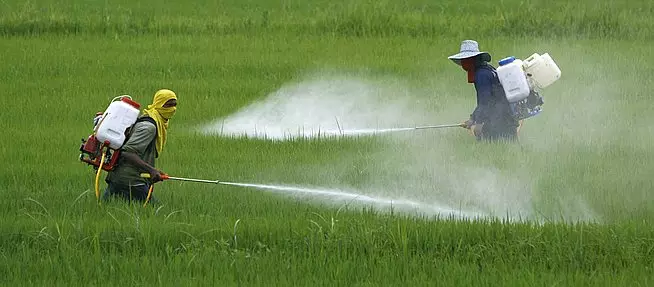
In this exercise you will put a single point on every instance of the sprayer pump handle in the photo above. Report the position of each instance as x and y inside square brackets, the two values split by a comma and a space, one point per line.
[147, 175]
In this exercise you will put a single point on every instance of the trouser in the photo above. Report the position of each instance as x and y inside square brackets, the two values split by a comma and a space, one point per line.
[128, 193]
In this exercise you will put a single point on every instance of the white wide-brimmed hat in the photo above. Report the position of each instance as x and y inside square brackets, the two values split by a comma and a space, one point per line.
[469, 48]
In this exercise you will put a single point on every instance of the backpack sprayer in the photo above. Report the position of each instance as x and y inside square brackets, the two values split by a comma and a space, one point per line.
[102, 148]
[522, 81]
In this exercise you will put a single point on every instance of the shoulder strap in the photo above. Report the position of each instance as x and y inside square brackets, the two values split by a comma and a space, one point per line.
[490, 68]
[498, 90]
[149, 119]
[146, 119]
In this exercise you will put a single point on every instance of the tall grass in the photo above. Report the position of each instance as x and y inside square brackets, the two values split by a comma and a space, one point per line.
[118, 244]
[360, 18]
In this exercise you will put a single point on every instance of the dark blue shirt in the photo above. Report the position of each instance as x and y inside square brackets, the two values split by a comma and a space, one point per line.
[484, 80]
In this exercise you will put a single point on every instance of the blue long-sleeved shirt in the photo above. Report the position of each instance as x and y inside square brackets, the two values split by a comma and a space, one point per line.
[484, 80]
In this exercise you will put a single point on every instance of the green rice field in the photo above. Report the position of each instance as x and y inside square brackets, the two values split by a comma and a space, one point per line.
[570, 204]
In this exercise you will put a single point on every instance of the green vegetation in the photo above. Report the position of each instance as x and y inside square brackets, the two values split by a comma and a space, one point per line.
[418, 18]
[588, 156]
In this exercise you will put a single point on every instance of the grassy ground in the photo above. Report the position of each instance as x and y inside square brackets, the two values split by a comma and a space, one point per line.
[587, 157]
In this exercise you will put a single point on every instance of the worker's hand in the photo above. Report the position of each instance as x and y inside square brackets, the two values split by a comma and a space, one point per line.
[155, 175]
[476, 129]
[467, 124]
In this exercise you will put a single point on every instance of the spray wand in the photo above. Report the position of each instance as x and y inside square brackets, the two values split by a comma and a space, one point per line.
[440, 126]
[167, 177]
[368, 131]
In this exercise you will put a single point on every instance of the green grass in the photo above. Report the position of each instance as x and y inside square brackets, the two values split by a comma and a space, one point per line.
[587, 156]
[417, 18]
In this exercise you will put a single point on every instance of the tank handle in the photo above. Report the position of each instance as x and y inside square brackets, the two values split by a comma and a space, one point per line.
[530, 60]
[120, 97]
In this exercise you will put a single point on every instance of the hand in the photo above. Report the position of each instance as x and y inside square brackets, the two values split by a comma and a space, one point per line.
[467, 124]
[476, 129]
[155, 175]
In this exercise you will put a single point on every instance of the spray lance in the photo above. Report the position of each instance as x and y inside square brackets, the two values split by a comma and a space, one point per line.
[440, 126]
[461, 125]
[368, 131]
[167, 177]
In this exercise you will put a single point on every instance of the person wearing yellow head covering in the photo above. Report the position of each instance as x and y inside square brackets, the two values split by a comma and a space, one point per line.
[162, 109]
[146, 140]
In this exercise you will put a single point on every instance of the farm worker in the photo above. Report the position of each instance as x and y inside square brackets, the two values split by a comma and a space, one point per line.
[147, 139]
[491, 119]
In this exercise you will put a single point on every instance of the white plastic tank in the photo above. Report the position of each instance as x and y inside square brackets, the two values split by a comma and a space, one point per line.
[541, 70]
[119, 116]
[513, 79]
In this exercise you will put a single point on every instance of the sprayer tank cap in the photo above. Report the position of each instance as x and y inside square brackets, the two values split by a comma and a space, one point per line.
[506, 61]
[131, 102]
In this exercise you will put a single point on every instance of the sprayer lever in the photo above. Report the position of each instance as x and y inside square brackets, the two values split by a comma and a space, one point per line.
[164, 177]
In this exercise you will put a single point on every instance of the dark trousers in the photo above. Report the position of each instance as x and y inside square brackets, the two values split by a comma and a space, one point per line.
[128, 193]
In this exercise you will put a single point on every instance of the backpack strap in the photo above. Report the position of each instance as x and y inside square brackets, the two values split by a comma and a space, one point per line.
[492, 69]
[500, 96]
[145, 118]
[149, 119]
[498, 90]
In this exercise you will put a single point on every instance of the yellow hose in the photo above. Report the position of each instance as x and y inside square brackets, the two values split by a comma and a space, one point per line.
[97, 178]
[149, 195]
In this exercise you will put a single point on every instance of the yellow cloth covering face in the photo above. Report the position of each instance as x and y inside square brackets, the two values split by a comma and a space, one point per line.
[161, 115]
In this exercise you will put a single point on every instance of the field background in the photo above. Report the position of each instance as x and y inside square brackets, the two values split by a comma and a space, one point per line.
[582, 171]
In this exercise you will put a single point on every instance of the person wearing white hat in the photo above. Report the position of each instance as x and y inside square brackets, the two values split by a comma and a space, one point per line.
[491, 119]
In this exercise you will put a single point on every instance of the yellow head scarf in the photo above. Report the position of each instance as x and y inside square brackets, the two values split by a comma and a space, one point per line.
[161, 115]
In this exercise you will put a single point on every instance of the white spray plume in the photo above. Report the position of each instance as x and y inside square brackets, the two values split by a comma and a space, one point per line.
[383, 204]
[421, 167]
[336, 106]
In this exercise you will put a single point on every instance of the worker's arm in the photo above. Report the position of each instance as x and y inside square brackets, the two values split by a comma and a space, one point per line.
[134, 149]
[155, 175]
